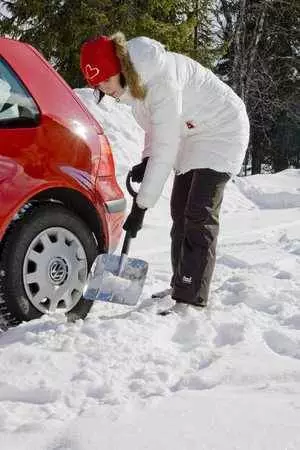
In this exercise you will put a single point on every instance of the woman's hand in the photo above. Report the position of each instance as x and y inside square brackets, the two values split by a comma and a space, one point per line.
[138, 171]
[134, 221]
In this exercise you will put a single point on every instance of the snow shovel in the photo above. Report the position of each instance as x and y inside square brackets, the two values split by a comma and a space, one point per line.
[114, 278]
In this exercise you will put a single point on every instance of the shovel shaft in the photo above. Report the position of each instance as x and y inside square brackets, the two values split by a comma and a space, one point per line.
[127, 239]
[126, 243]
[123, 261]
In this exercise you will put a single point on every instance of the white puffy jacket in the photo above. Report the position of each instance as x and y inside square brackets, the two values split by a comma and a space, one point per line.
[191, 118]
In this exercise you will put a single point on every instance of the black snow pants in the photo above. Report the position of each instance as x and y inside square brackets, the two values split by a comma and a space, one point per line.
[195, 205]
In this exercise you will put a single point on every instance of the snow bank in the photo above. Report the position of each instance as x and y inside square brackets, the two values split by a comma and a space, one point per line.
[275, 191]
[124, 134]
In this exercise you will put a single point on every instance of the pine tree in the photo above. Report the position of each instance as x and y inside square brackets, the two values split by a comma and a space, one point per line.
[57, 28]
[171, 22]
[260, 63]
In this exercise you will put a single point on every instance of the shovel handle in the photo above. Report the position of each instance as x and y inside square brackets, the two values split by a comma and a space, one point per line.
[133, 193]
[130, 189]
[126, 243]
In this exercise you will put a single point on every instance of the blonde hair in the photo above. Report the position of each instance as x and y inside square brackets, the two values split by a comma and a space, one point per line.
[133, 80]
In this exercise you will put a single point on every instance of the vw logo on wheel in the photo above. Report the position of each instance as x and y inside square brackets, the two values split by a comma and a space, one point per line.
[58, 271]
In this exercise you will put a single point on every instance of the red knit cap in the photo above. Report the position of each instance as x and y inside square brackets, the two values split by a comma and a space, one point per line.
[98, 60]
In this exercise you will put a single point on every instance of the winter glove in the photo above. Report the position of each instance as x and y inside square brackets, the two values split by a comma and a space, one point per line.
[138, 171]
[134, 221]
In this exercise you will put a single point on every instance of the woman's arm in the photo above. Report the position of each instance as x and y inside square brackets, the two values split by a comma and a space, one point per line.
[165, 105]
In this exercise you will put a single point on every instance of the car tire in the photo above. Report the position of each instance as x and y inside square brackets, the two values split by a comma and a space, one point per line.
[33, 260]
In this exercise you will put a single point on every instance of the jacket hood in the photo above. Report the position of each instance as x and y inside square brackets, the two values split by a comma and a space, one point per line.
[148, 57]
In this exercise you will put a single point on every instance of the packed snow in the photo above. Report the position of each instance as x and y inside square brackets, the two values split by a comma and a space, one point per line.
[226, 377]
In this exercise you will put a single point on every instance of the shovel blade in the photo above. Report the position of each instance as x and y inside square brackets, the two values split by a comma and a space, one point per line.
[106, 284]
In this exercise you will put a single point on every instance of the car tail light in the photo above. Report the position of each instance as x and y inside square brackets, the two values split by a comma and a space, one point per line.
[106, 166]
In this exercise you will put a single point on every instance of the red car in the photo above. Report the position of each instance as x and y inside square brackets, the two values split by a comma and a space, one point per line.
[60, 201]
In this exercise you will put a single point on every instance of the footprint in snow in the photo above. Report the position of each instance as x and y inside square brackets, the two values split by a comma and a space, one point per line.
[38, 396]
[293, 322]
[240, 292]
[282, 344]
[194, 382]
[234, 288]
[229, 334]
[235, 285]
[233, 262]
[186, 331]
[291, 245]
[192, 333]
[260, 302]
[283, 275]
[3, 420]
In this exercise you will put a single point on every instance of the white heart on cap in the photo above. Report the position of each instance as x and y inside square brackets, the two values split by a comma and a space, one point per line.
[91, 72]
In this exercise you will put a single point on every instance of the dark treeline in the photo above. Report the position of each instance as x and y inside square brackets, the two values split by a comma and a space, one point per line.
[253, 45]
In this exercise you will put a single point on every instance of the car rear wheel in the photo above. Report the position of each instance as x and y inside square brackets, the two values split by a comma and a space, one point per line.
[44, 264]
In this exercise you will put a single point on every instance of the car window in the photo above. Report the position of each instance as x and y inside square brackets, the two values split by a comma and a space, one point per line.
[17, 108]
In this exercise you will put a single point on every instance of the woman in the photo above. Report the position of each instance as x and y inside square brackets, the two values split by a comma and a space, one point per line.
[194, 124]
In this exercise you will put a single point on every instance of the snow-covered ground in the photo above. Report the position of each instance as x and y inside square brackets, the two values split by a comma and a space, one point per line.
[224, 378]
